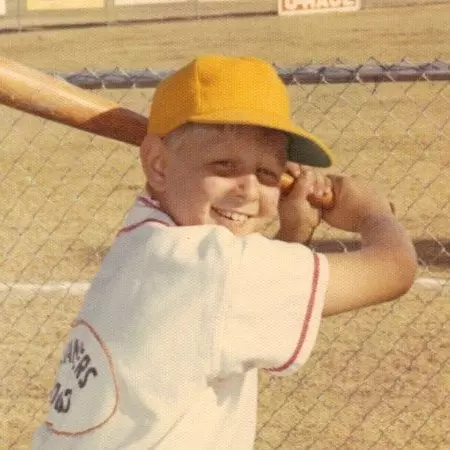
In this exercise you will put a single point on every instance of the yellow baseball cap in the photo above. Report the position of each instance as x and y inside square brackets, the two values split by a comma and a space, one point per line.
[216, 89]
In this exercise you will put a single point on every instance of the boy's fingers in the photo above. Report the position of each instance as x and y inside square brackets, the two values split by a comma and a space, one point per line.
[304, 184]
[307, 184]
[293, 169]
[325, 201]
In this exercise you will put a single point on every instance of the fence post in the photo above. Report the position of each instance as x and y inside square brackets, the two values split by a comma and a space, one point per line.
[19, 15]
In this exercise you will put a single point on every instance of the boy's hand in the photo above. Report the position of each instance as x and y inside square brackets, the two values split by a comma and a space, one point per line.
[355, 200]
[298, 219]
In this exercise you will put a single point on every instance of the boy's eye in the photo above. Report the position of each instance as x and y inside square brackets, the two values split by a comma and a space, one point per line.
[224, 163]
[228, 167]
[224, 166]
[268, 176]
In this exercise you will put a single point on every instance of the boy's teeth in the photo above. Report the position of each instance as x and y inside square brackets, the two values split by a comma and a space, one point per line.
[232, 215]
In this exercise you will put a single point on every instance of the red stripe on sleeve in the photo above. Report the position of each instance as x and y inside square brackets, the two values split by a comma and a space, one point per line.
[138, 224]
[307, 320]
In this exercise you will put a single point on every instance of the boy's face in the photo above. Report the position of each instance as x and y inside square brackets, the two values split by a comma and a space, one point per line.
[228, 178]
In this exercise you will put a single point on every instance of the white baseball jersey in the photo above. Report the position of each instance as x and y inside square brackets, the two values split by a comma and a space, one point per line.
[165, 351]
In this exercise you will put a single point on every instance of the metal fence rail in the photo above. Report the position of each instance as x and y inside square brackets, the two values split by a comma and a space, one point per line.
[374, 72]
[379, 378]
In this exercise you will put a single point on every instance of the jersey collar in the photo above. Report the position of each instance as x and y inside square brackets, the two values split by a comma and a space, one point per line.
[146, 210]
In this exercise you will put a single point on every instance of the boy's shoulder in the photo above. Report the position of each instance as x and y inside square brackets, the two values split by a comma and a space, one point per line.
[147, 228]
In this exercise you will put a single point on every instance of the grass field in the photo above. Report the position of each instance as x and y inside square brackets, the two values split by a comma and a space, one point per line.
[378, 378]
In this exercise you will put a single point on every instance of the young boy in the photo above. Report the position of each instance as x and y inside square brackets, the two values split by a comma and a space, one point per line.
[192, 300]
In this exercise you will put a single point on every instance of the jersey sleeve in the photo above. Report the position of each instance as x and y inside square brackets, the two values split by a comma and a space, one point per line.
[273, 303]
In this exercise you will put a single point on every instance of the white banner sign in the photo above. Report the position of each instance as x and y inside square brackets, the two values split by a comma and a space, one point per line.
[2, 8]
[146, 2]
[39, 5]
[286, 7]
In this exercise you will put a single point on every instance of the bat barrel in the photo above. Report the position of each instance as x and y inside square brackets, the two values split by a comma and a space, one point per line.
[34, 92]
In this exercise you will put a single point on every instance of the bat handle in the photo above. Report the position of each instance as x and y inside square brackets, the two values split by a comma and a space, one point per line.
[325, 201]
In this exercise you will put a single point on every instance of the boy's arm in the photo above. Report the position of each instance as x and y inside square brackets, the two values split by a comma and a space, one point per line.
[385, 266]
[382, 270]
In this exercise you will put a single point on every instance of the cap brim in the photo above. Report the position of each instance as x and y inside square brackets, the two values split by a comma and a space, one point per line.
[303, 147]
[307, 149]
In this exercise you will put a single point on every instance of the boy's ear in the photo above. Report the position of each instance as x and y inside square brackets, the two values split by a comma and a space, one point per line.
[153, 154]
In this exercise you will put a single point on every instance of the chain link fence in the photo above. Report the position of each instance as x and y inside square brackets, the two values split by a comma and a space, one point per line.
[379, 378]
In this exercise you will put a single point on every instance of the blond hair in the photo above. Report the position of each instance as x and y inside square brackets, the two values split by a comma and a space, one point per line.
[205, 132]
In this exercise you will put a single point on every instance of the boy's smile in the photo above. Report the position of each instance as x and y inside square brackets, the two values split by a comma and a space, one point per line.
[234, 216]
[227, 177]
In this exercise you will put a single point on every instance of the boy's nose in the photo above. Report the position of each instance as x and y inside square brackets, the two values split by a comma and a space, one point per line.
[248, 186]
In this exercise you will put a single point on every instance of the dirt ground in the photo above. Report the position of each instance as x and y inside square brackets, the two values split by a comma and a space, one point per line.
[418, 33]
[378, 378]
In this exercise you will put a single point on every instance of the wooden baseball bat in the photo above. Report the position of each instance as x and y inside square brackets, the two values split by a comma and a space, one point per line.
[55, 99]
